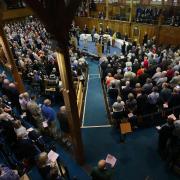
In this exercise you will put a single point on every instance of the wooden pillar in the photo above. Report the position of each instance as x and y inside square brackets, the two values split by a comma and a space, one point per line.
[14, 70]
[107, 9]
[88, 3]
[163, 2]
[70, 100]
[130, 19]
[131, 11]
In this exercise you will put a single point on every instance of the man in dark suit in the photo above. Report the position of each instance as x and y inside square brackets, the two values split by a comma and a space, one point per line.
[165, 133]
[123, 48]
[112, 94]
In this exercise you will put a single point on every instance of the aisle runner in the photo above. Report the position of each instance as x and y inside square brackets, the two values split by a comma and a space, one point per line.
[95, 110]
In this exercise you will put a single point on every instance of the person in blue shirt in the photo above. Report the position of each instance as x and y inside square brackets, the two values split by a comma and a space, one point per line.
[49, 116]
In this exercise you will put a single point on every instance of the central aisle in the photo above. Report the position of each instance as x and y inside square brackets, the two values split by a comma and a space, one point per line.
[95, 110]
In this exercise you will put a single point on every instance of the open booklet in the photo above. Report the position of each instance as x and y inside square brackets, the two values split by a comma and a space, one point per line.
[30, 129]
[52, 156]
[158, 127]
[45, 124]
[130, 115]
[172, 116]
[111, 160]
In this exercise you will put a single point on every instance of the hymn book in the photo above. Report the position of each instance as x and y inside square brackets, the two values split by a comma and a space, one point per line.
[52, 156]
[111, 160]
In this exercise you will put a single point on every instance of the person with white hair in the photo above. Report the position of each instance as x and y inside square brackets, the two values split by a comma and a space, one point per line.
[162, 79]
[23, 100]
[35, 114]
[128, 75]
[157, 75]
[118, 106]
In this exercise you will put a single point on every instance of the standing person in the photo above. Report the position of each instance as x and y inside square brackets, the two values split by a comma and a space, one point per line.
[165, 134]
[126, 37]
[102, 46]
[50, 116]
[145, 39]
[101, 31]
[101, 172]
[14, 97]
[92, 33]
[108, 50]
[123, 48]
[63, 121]
[85, 42]
[85, 30]
[78, 34]
[23, 100]
[34, 112]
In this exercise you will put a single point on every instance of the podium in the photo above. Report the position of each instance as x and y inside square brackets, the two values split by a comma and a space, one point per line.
[99, 49]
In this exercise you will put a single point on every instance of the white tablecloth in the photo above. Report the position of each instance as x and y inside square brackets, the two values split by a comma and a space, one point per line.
[97, 36]
[119, 43]
[85, 36]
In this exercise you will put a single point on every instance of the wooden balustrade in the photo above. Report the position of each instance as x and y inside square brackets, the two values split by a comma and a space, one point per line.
[16, 13]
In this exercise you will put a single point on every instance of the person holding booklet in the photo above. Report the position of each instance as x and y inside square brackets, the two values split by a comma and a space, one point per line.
[101, 171]
[48, 167]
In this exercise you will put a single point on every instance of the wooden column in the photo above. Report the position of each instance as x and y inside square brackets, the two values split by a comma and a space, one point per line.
[130, 19]
[131, 11]
[70, 100]
[14, 70]
[107, 9]
[88, 2]
[163, 3]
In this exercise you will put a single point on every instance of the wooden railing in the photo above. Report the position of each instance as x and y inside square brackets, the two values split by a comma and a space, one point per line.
[16, 13]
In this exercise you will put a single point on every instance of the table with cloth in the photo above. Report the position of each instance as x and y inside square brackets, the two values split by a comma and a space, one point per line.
[88, 37]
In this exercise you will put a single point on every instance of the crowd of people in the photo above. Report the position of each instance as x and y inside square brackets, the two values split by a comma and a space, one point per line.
[27, 119]
[147, 15]
[83, 9]
[24, 125]
[34, 53]
[142, 80]
[153, 15]
[142, 83]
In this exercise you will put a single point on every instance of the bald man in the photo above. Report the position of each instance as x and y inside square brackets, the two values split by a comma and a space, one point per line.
[101, 172]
